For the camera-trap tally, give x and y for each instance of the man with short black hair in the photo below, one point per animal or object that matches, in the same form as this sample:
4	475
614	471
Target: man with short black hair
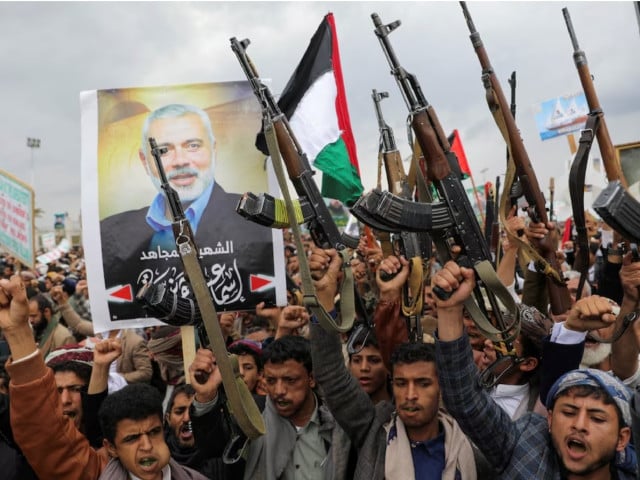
411	439
178	428
131	418
302	439
367	366
250	363
586	433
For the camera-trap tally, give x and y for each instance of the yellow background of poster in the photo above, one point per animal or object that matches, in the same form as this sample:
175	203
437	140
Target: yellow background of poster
123	183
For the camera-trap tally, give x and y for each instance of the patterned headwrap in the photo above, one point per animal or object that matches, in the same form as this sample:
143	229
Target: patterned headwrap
613	387
70	353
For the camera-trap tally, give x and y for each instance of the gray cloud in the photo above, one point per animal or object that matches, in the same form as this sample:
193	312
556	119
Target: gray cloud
53	51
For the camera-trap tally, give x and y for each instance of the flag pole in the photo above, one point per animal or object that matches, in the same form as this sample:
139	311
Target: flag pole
477	197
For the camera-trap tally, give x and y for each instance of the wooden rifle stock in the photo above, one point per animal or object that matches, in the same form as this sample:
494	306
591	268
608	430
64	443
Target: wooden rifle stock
296	163
433	143
558	292
607	150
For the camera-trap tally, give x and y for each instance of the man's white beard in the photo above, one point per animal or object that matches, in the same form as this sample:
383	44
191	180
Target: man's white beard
595	355
191	192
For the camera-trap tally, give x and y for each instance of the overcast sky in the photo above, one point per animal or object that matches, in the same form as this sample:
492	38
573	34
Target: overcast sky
53	51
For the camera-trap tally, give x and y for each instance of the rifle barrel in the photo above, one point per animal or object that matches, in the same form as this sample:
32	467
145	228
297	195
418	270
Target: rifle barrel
572	33
467	16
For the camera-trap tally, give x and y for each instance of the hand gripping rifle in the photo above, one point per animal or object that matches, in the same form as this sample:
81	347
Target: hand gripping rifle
444	172
558	292
282	143
241	403
414	246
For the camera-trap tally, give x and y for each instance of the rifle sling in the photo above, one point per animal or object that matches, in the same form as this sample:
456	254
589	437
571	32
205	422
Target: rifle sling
488	275
576	191
484	270
528	251
241	403
412	304
628	319
347	305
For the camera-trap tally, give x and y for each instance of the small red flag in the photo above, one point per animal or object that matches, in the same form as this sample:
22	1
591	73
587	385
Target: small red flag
458	149
568	226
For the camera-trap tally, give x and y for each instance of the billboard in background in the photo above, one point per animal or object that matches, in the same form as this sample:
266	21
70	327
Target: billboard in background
561	115
16	218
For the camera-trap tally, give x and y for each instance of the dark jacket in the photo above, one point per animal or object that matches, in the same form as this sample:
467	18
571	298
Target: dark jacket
519	450
126	239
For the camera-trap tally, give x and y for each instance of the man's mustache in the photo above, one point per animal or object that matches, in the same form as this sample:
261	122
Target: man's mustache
183	171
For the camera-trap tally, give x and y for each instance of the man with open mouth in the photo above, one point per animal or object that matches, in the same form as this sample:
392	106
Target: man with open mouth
587	430
130	419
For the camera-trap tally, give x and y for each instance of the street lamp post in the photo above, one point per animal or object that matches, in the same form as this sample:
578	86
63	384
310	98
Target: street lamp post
33	143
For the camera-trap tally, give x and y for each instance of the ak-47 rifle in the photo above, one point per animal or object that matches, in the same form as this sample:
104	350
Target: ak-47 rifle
244	408
548	264
324	232
414	246
322	228
444	172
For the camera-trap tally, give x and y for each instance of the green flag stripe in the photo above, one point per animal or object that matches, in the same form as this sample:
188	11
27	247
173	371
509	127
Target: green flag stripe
340	179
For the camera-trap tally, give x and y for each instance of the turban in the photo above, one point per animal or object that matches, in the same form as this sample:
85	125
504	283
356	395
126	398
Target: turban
613	387
70	353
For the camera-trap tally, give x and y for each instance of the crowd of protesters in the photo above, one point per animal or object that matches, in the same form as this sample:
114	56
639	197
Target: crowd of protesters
555	403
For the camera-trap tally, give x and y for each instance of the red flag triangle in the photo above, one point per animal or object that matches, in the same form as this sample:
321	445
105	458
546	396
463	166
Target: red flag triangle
458	149
120	293
260	282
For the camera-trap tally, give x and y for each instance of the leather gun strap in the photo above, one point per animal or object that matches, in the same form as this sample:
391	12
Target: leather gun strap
241	403
412	305
347	299
541	264
576	191
488	275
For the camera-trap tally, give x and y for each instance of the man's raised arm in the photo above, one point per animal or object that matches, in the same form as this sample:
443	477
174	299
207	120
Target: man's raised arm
51	443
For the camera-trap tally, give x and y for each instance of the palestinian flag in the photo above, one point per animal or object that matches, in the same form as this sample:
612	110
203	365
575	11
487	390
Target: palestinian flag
458	149
314	101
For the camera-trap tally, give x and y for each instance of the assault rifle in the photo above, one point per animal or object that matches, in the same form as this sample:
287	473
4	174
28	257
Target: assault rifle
321	226
444	172
548	264
324	232
414	246
241	402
